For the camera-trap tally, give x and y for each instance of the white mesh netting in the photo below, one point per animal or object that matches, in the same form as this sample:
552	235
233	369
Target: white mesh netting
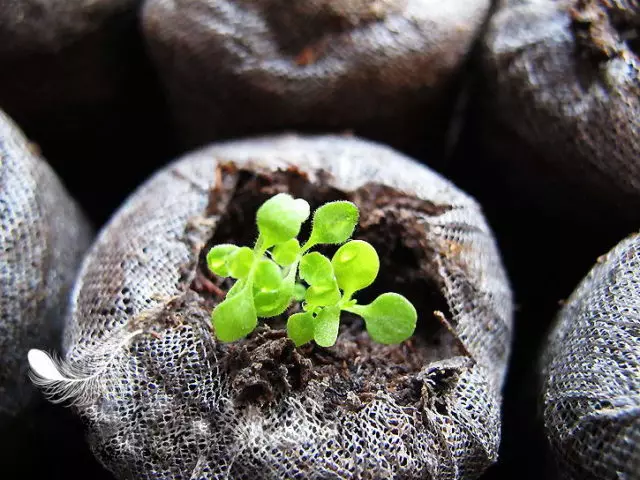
563	81
591	381
42	238
165	400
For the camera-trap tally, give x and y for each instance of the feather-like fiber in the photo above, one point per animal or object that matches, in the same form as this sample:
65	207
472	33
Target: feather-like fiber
79	382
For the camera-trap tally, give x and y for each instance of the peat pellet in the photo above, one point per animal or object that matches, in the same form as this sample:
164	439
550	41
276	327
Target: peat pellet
382	69
562	102
591	373
63	54
164	399
76	79
42	238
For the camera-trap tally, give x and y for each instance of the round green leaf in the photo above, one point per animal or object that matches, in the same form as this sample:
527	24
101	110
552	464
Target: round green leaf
271	295
390	318
286	253
239	262
235	317
280	218
326	326
267	276
218	257
300	328
334	223
355	265
323	294
315	268
272	303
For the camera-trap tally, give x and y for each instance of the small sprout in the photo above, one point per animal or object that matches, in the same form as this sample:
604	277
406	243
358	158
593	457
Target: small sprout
278	271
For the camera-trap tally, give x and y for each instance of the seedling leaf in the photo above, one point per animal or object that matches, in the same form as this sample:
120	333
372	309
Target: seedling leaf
355	265
390	318
268	275
280	218
326	326
334	223
218	257
286	253
240	261
300	328
323	295
235	317
299	292
315	268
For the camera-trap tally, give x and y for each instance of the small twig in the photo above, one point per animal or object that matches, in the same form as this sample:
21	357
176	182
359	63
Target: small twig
446	324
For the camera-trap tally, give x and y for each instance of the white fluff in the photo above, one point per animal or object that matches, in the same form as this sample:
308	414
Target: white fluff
77	383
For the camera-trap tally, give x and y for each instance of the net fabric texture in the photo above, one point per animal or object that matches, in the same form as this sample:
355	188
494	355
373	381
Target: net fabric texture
239	67
562	103
161	406
42	238
590	376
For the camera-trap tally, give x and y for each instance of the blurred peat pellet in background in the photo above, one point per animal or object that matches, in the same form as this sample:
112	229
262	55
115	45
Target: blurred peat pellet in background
561	106
75	77
386	70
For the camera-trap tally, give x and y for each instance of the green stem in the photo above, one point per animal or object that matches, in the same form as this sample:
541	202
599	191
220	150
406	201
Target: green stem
308	245
346	298
357	309
259	251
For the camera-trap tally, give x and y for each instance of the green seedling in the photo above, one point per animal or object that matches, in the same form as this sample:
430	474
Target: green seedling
279	271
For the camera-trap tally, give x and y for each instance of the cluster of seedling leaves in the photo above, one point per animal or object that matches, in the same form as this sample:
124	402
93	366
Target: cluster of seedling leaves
278	271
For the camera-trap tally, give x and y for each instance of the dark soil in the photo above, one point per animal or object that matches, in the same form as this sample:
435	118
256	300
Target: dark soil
266	364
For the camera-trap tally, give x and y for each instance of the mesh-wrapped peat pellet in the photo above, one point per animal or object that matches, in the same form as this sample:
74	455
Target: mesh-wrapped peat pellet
164	399
383	69
62	53
591	375
563	101
42	238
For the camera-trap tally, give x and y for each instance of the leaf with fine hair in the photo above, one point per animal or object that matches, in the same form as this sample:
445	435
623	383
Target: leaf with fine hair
235	317
315	268
268	292
356	265
334	223
286	253
326	326
389	319
323	295
239	262
280	218
218	258
300	328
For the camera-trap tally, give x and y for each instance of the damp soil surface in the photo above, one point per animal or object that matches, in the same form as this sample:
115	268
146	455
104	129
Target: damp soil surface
266	364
